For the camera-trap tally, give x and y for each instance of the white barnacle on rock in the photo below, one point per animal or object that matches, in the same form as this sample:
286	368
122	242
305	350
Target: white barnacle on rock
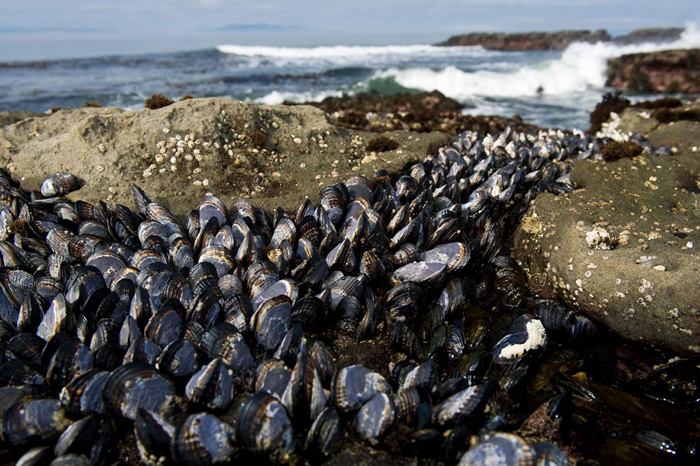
599	238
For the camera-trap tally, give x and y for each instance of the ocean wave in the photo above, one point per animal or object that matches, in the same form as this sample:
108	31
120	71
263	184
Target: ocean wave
580	67
277	97
349	51
346	55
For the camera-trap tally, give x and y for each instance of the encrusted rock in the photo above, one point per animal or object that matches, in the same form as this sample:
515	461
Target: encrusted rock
646	289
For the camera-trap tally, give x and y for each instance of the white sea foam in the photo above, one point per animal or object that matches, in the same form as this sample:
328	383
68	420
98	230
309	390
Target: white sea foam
277	97
344	55
580	67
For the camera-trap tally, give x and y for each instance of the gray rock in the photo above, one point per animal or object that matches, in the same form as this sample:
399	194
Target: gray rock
657	35
556	40
274	155
647	288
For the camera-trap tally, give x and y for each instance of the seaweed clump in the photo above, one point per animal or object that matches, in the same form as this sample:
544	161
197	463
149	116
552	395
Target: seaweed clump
156	101
381	144
688	181
258	139
665	115
619	150
663	102
612	102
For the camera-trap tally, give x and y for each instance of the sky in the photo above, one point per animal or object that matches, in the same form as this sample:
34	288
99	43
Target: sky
45	29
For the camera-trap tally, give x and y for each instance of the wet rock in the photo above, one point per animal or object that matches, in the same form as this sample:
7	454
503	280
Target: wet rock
669	71
557	40
643	118
646	287
421	112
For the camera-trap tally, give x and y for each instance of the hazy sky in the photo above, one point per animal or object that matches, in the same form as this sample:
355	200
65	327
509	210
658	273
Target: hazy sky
48	28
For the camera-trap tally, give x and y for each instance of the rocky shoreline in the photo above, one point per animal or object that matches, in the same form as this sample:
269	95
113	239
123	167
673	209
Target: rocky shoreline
278	156
559	40
521	41
635	275
669	71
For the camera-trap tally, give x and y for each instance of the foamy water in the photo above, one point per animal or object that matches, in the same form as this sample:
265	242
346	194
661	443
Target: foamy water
547	88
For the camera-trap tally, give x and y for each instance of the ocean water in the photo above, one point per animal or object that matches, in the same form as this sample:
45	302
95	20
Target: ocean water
554	89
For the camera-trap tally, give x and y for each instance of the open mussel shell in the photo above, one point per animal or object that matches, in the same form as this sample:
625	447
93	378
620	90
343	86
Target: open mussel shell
139	385
263	426
202	439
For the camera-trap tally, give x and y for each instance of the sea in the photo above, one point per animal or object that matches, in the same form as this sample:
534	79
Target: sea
546	88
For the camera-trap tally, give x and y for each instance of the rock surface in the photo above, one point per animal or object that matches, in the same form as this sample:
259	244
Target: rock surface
658	35
421	112
646	288
558	40
7	118
669	71
274	155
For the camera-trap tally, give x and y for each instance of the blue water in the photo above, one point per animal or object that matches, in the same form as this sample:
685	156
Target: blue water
554	89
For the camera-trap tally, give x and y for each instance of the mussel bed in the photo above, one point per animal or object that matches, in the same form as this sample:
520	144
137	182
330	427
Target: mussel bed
387	323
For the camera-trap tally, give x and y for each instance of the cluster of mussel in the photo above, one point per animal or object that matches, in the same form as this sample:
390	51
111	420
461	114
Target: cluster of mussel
130	335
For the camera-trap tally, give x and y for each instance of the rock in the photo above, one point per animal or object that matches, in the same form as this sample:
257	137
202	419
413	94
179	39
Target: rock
646	287
557	40
8	118
274	155
655	35
669	71
421	112
682	134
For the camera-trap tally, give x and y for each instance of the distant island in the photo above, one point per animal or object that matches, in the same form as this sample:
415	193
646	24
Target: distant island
558	40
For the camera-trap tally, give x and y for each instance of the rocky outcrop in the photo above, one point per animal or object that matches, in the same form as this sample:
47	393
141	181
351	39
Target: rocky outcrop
421	112
274	155
558	40
645	288
656	35
669	71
